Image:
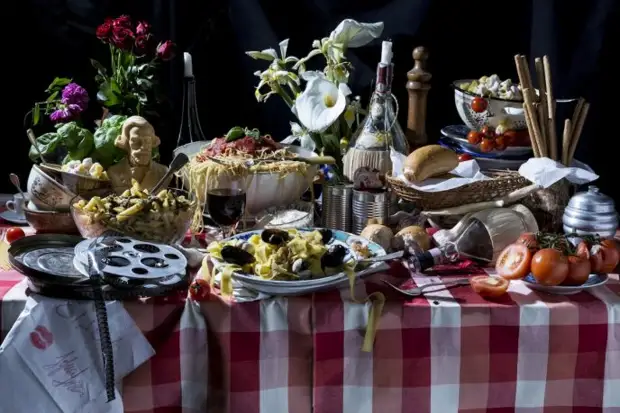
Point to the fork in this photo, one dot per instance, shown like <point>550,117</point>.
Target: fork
<point>418,291</point>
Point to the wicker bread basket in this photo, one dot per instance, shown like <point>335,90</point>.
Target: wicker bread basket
<point>503,183</point>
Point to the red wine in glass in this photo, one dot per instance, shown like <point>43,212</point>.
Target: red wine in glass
<point>226,206</point>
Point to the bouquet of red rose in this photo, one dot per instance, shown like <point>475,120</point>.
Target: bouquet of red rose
<point>129,85</point>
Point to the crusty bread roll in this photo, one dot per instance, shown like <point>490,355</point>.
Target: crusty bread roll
<point>429,161</point>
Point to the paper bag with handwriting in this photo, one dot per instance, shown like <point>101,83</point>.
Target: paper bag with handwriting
<point>53,354</point>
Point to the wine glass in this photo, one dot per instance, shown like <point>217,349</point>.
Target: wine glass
<point>226,203</point>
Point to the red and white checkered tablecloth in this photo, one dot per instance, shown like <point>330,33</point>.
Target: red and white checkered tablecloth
<point>526,353</point>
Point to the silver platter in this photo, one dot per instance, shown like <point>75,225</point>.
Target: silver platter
<point>134,259</point>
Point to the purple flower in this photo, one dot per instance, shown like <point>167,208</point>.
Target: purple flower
<point>66,113</point>
<point>74,94</point>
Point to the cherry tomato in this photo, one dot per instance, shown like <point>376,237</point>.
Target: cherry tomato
<point>514,262</point>
<point>487,145</point>
<point>486,131</point>
<point>610,256</point>
<point>529,240</point>
<point>511,138</point>
<point>500,143</point>
<point>578,270</point>
<point>479,104</point>
<point>487,286</point>
<point>465,157</point>
<point>583,250</point>
<point>13,234</point>
<point>200,290</point>
<point>474,137</point>
<point>549,267</point>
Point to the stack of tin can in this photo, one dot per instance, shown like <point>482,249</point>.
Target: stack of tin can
<point>367,205</point>
<point>336,207</point>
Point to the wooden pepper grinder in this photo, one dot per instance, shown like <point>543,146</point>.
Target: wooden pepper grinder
<point>417,87</point>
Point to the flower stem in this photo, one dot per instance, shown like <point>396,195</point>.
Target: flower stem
<point>289,101</point>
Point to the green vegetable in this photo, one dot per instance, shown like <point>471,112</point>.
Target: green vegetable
<point>254,133</point>
<point>106,152</point>
<point>47,144</point>
<point>235,133</point>
<point>78,141</point>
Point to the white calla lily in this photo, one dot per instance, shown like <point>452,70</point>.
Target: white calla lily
<point>354,34</point>
<point>321,103</point>
<point>283,48</point>
<point>267,54</point>
<point>299,134</point>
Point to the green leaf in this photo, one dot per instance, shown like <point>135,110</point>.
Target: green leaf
<point>101,70</point>
<point>235,133</point>
<point>53,96</point>
<point>58,83</point>
<point>36,114</point>
<point>109,93</point>
<point>254,133</point>
<point>46,143</point>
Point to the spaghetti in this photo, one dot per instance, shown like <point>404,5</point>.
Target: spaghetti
<point>205,171</point>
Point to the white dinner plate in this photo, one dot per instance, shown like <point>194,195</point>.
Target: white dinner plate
<point>595,280</point>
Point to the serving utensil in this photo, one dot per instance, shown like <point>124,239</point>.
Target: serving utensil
<point>179,161</point>
<point>421,290</point>
<point>15,181</point>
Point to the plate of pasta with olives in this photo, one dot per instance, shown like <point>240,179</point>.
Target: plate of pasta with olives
<point>293,261</point>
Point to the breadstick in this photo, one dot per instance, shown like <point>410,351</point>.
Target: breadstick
<point>529,105</point>
<point>553,140</point>
<point>530,127</point>
<point>566,141</point>
<point>542,96</point>
<point>577,130</point>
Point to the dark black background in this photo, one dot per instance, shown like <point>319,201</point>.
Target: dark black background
<point>466,39</point>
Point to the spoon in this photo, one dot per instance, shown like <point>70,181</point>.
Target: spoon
<point>177,163</point>
<point>15,181</point>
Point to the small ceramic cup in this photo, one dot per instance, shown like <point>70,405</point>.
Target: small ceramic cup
<point>16,204</point>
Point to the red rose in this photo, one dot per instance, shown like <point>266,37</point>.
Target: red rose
<point>142,42</point>
<point>122,38</point>
<point>123,21</point>
<point>165,50</point>
<point>105,30</point>
<point>143,29</point>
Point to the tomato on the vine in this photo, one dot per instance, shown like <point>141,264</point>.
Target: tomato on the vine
<point>529,240</point>
<point>486,131</point>
<point>13,234</point>
<point>200,290</point>
<point>474,137</point>
<point>479,104</point>
<point>610,256</point>
<point>487,145</point>
<point>514,262</point>
<point>500,143</point>
<point>465,157</point>
<point>511,138</point>
<point>578,270</point>
<point>487,286</point>
<point>549,267</point>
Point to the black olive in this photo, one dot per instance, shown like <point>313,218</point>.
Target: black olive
<point>326,235</point>
<point>274,236</point>
<point>334,257</point>
<point>236,255</point>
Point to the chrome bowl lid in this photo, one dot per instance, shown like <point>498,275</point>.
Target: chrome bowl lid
<point>591,201</point>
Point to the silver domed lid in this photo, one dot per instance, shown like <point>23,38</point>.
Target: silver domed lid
<point>592,201</point>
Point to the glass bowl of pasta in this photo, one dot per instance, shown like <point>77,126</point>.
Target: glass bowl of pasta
<point>163,217</point>
<point>292,261</point>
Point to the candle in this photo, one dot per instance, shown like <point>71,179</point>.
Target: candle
<point>188,69</point>
<point>386,53</point>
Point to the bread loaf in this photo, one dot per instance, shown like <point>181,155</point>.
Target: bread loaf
<point>429,161</point>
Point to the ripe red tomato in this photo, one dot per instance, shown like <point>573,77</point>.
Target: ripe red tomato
<point>500,143</point>
<point>488,286</point>
<point>487,145</point>
<point>485,131</point>
<point>479,104</point>
<point>474,137</point>
<point>465,157</point>
<point>529,240</point>
<point>14,233</point>
<point>583,250</point>
<point>578,271</point>
<point>523,138</point>
<point>514,262</point>
<point>610,256</point>
<point>200,290</point>
<point>511,138</point>
<point>549,267</point>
